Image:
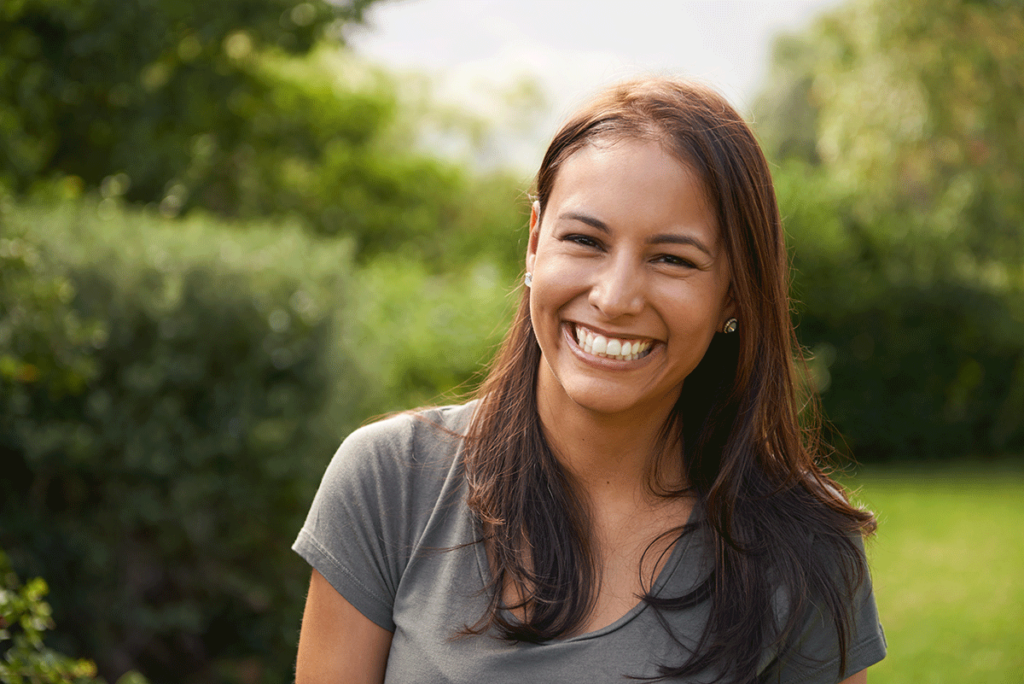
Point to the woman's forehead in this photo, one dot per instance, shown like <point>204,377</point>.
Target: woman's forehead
<point>627,159</point>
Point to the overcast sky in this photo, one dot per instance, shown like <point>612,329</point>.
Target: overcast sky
<point>473,48</point>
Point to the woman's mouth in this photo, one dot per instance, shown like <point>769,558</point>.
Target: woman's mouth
<point>611,347</point>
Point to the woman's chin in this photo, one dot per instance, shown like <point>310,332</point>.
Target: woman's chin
<point>608,400</point>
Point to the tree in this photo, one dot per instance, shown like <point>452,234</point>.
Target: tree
<point>915,106</point>
<point>246,108</point>
<point>898,133</point>
<point>131,87</point>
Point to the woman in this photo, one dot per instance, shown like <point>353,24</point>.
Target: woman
<point>631,495</point>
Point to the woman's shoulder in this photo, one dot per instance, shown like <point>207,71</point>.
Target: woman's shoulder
<point>401,450</point>
<point>391,473</point>
<point>414,435</point>
<point>377,496</point>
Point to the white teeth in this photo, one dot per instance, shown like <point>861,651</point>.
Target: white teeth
<point>621,350</point>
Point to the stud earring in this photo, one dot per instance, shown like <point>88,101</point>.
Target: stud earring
<point>730,326</point>
<point>528,279</point>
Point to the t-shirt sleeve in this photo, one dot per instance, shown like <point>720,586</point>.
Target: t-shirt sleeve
<point>356,533</point>
<point>814,658</point>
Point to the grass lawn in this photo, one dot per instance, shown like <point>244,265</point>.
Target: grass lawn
<point>948,569</point>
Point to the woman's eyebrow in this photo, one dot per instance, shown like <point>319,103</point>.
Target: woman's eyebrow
<point>660,239</point>
<point>584,218</point>
<point>676,239</point>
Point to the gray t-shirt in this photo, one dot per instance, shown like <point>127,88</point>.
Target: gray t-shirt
<point>390,530</point>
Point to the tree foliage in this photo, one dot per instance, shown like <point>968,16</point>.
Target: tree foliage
<point>171,386</point>
<point>234,108</point>
<point>159,493</point>
<point>24,618</point>
<point>42,339</point>
<point>94,87</point>
<point>138,494</point>
<point>898,132</point>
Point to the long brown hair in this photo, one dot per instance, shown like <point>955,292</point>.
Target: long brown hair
<point>778,521</point>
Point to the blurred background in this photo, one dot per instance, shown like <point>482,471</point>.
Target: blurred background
<point>231,232</point>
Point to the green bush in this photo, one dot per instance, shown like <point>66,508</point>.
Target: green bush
<point>160,494</point>
<point>211,371</point>
<point>916,356</point>
<point>43,342</point>
<point>24,617</point>
<point>896,132</point>
<point>422,334</point>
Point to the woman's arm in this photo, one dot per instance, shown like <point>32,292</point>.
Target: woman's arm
<point>338,644</point>
<point>859,678</point>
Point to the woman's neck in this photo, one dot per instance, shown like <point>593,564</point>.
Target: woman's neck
<point>609,453</point>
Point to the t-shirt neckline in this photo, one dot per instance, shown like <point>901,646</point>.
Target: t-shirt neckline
<point>679,548</point>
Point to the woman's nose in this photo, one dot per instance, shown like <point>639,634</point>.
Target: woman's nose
<point>618,289</point>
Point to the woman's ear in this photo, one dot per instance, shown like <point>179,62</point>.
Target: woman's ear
<point>531,249</point>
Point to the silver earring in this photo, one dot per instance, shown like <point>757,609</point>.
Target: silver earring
<point>528,279</point>
<point>730,326</point>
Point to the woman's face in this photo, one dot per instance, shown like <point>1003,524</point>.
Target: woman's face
<point>630,279</point>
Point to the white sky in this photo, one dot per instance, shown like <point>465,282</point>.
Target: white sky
<point>473,49</point>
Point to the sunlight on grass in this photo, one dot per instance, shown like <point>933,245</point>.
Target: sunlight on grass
<point>948,568</point>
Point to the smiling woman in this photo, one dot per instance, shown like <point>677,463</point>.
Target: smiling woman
<point>630,495</point>
<point>628,255</point>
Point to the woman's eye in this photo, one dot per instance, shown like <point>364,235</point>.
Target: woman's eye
<point>582,240</point>
<point>674,260</point>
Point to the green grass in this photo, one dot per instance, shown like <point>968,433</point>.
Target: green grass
<point>948,570</point>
